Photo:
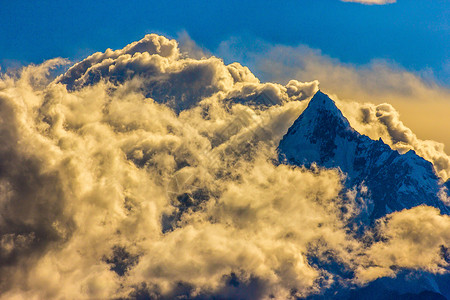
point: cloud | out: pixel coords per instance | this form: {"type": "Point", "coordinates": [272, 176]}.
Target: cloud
{"type": "Point", "coordinates": [413, 239]}
{"type": "Point", "coordinates": [380, 99]}
{"type": "Point", "coordinates": [144, 172]}
{"type": "Point", "coordinates": [371, 2]}
{"type": "Point", "coordinates": [162, 73]}
{"type": "Point", "coordinates": [383, 121]}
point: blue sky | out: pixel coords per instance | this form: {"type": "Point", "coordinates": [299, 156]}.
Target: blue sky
{"type": "Point", "coordinates": [414, 34]}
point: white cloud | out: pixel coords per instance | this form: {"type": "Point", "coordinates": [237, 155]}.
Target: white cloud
{"type": "Point", "coordinates": [371, 2]}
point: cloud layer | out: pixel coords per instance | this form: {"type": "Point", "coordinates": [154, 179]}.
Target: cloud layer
{"type": "Point", "coordinates": [144, 172]}
{"type": "Point", "coordinates": [367, 94]}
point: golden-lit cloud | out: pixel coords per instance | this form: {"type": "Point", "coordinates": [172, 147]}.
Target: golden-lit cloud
{"type": "Point", "coordinates": [413, 239]}
{"type": "Point", "coordinates": [380, 99]}
{"type": "Point", "coordinates": [143, 171]}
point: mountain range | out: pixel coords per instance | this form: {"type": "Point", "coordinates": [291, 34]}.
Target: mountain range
{"type": "Point", "coordinates": [387, 180]}
{"type": "Point", "coordinates": [383, 181]}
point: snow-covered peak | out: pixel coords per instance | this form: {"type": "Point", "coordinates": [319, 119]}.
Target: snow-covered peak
{"type": "Point", "coordinates": [318, 132]}
{"type": "Point", "coordinates": [322, 109]}
{"type": "Point", "coordinates": [324, 136]}
{"type": "Point", "coordinates": [321, 101]}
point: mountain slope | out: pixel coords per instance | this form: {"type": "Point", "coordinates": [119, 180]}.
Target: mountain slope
{"type": "Point", "coordinates": [322, 135]}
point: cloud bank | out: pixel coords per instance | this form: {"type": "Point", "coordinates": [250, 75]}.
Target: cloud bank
{"type": "Point", "coordinates": [367, 95]}
{"type": "Point", "coordinates": [143, 172]}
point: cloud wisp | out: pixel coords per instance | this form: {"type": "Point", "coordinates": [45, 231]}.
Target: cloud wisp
{"type": "Point", "coordinates": [145, 172]}
{"type": "Point", "coordinates": [372, 2]}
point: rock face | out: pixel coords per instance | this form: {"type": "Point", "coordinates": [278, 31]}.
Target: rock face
{"type": "Point", "coordinates": [390, 181]}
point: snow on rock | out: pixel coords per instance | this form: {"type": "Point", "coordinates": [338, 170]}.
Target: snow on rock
{"type": "Point", "coordinates": [322, 135]}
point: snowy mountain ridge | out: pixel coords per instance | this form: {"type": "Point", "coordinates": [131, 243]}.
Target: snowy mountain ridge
{"type": "Point", "coordinates": [322, 135]}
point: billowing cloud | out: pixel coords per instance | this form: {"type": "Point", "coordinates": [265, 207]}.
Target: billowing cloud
{"type": "Point", "coordinates": [383, 121]}
{"type": "Point", "coordinates": [372, 96]}
{"type": "Point", "coordinates": [371, 2]}
{"type": "Point", "coordinates": [144, 172]}
{"type": "Point", "coordinates": [412, 239]}
{"type": "Point", "coordinates": [162, 73]}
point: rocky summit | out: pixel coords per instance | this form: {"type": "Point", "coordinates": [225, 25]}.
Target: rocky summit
{"type": "Point", "coordinates": [386, 180]}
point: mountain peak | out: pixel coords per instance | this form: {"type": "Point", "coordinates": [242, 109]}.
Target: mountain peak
{"type": "Point", "coordinates": [322, 100]}
{"type": "Point", "coordinates": [322, 135]}
{"type": "Point", "coordinates": [322, 109]}
{"type": "Point", "coordinates": [318, 128]}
